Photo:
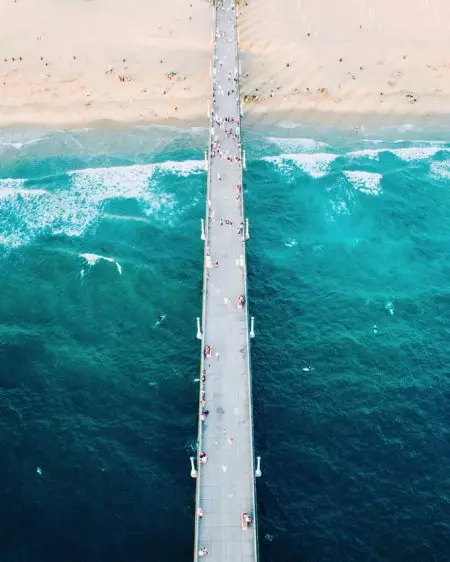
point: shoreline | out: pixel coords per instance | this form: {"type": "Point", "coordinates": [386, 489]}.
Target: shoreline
{"type": "Point", "coordinates": [255, 118]}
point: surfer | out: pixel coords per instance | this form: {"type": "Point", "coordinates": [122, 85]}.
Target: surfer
{"type": "Point", "coordinates": [161, 317]}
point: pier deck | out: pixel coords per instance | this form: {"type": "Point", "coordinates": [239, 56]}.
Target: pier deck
{"type": "Point", "coordinates": [225, 484]}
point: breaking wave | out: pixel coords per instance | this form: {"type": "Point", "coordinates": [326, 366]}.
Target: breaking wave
{"type": "Point", "coordinates": [315, 165]}
{"type": "Point", "coordinates": [297, 144]}
{"type": "Point", "coordinates": [70, 209]}
{"type": "Point", "coordinates": [92, 259]}
{"type": "Point", "coordinates": [365, 182]}
{"type": "Point", "coordinates": [407, 154]}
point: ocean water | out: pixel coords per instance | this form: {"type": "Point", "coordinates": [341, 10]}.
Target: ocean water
{"type": "Point", "coordinates": [348, 281]}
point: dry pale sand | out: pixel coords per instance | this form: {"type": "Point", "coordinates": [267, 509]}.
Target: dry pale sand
{"type": "Point", "coordinates": [73, 52]}
{"type": "Point", "coordinates": [302, 60]}
{"type": "Point", "coordinates": [353, 60]}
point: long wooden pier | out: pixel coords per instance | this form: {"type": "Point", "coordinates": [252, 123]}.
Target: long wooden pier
{"type": "Point", "coordinates": [225, 458]}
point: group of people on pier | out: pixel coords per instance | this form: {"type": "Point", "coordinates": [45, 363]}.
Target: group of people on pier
{"type": "Point", "coordinates": [225, 133]}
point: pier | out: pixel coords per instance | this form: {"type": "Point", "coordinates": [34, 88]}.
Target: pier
{"type": "Point", "coordinates": [225, 464]}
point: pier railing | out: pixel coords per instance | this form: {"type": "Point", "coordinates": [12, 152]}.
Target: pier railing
{"type": "Point", "coordinates": [204, 298]}
{"type": "Point", "coordinates": [244, 253]}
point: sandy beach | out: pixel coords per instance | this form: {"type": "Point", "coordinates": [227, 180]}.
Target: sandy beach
{"type": "Point", "coordinates": [362, 60]}
{"type": "Point", "coordinates": [80, 62]}
{"type": "Point", "coordinates": [356, 61]}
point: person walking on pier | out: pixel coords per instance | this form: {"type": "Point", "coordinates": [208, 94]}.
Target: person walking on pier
{"type": "Point", "coordinates": [228, 401]}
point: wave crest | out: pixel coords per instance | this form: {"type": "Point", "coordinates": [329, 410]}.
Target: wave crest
{"type": "Point", "coordinates": [407, 154]}
{"type": "Point", "coordinates": [440, 170]}
{"type": "Point", "coordinates": [92, 259]}
{"type": "Point", "coordinates": [297, 144]}
{"type": "Point", "coordinates": [70, 210]}
{"type": "Point", "coordinates": [365, 182]}
{"type": "Point", "coordinates": [315, 165]}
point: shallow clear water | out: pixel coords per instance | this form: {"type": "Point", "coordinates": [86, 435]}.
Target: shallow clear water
{"type": "Point", "coordinates": [348, 281]}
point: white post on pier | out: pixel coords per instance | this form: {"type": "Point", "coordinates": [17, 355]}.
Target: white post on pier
{"type": "Point", "coordinates": [202, 235]}
{"type": "Point", "coordinates": [193, 471]}
{"type": "Point", "coordinates": [240, 68]}
{"type": "Point", "coordinates": [252, 327]}
{"type": "Point", "coordinates": [247, 231]}
{"type": "Point", "coordinates": [258, 472]}
{"type": "Point", "coordinates": [199, 330]}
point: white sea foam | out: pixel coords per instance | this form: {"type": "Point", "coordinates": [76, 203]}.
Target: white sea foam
{"type": "Point", "coordinates": [114, 176]}
{"type": "Point", "coordinates": [72, 209]}
{"type": "Point", "coordinates": [125, 217]}
{"type": "Point", "coordinates": [92, 259]}
{"type": "Point", "coordinates": [9, 193]}
{"type": "Point", "coordinates": [365, 182]}
{"type": "Point", "coordinates": [297, 144]}
{"type": "Point", "coordinates": [11, 188]}
{"type": "Point", "coordinates": [11, 240]}
{"type": "Point", "coordinates": [11, 183]}
{"type": "Point", "coordinates": [374, 141]}
{"type": "Point", "coordinates": [19, 145]}
{"type": "Point", "coordinates": [440, 170]}
{"type": "Point", "coordinates": [407, 154]}
{"type": "Point", "coordinates": [174, 128]}
{"type": "Point", "coordinates": [416, 152]}
{"type": "Point", "coordinates": [414, 142]}
{"type": "Point", "coordinates": [407, 127]}
{"type": "Point", "coordinates": [93, 186]}
{"type": "Point", "coordinates": [286, 125]}
{"type": "Point", "coordinates": [316, 165]}
{"type": "Point", "coordinates": [371, 153]}
{"type": "Point", "coordinates": [184, 168]}
{"type": "Point", "coordinates": [339, 208]}
{"type": "Point", "coordinates": [419, 142]}
{"type": "Point", "coordinates": [291, 243]}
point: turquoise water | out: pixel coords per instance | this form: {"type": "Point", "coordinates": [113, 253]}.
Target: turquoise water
{"type": "Point", "coordinates": [348, 281]}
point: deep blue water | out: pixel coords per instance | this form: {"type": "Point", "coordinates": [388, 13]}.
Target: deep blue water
{"type": "Point", "coordinates": [349, 283]}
